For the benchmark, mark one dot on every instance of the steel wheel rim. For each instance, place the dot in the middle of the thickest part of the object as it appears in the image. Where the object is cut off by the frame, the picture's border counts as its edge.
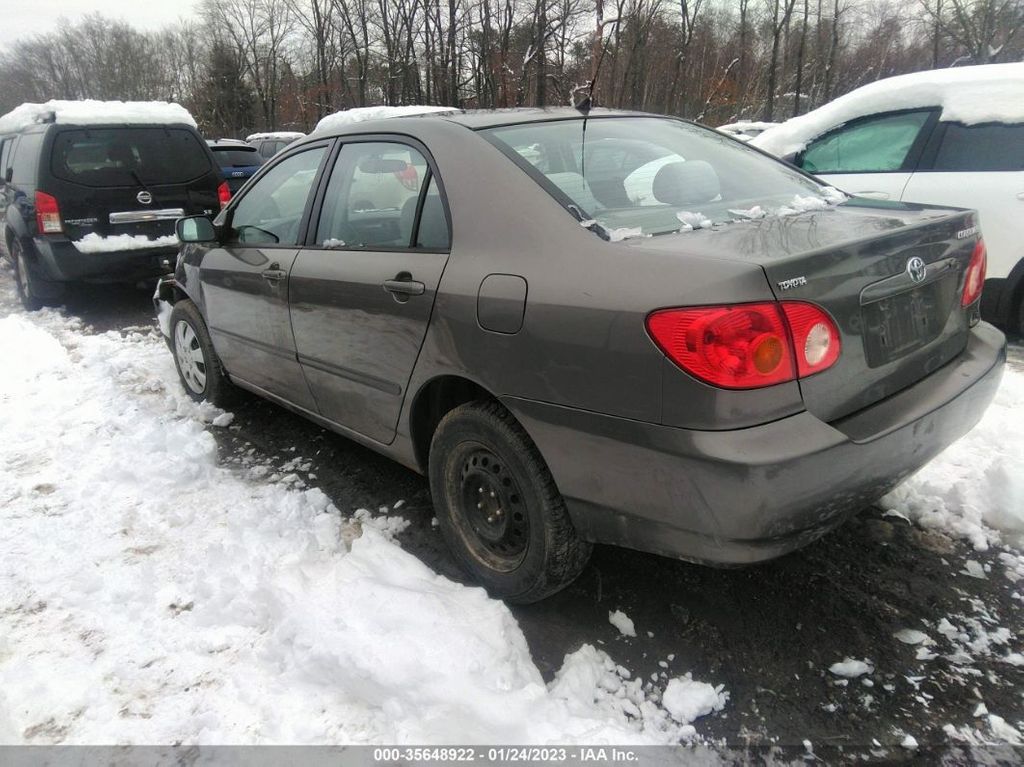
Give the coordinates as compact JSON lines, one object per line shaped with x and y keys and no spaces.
{"x":494,"y":519}
{"x":189,"y":353}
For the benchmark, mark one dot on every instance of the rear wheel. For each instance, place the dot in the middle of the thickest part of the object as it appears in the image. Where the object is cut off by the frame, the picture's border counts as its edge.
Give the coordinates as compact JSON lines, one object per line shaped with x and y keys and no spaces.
{"x":498,"y":507}
{"x":33,"y":292}
{"x":198,"y":366}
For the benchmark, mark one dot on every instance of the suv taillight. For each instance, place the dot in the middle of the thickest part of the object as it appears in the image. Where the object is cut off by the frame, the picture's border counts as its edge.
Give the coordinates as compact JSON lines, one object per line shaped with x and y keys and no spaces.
{"x":974,"y":279}
{"x":224,"y":193}
{"x":47,"y":214}
{"x":747,"y":346}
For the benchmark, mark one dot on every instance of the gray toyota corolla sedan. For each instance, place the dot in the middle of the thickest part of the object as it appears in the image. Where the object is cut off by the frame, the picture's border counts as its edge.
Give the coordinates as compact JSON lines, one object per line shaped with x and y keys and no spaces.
{"x":618,"y":328}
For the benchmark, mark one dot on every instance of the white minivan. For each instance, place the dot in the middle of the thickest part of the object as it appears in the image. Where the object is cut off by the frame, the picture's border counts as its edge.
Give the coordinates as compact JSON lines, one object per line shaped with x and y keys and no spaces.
{"x":947,"y":137}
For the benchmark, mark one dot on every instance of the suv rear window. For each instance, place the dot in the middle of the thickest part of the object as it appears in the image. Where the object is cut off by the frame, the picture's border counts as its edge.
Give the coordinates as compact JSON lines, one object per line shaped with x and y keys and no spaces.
{"x":237,"y":158}
{"x":128,"y":156}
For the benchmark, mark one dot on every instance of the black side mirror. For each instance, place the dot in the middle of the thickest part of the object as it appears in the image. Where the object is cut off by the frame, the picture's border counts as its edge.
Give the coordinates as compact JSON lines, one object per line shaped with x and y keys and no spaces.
{"x":195,"y":229}
{"x":9,"y":175}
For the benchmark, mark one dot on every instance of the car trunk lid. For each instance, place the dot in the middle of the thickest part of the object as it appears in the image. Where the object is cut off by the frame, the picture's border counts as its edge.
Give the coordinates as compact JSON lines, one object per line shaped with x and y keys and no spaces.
{"x":889,"y":274}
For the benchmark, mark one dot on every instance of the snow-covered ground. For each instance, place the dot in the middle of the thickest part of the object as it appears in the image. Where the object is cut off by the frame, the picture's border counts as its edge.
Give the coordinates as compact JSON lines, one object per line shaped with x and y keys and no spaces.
{"x":975,"y":489}
{"x":149,"y":594}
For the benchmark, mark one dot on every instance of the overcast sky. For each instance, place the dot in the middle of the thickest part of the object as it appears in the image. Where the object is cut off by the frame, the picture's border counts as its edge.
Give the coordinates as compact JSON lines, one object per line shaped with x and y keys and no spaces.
{"x":28,"y":17}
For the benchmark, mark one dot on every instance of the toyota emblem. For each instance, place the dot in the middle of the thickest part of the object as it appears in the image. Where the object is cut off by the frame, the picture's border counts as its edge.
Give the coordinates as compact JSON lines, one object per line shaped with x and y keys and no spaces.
{"x":917,"y":269}
{"x":146,"y":198}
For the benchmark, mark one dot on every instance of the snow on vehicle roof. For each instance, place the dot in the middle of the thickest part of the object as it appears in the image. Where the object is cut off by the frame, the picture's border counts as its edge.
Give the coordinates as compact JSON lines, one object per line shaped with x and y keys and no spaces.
{"x":281,"y":134}
{"x":745,"y":125}
{"x":359,"y":114}
{"x":92,"y":112}
{"x":970,"y":95}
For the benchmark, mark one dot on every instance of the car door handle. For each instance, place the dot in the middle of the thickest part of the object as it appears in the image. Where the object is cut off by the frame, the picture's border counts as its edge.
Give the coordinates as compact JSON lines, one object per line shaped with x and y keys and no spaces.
{"x":1020,"y":195}
{"x":274,"y":273}
{"x":408,"y":287}
{"x":874,"y":195}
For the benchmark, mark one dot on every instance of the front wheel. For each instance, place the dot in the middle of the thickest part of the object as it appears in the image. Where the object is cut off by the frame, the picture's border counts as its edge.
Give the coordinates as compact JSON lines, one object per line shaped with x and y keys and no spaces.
{"x":498,"y":507}
{"x":198,"y":366}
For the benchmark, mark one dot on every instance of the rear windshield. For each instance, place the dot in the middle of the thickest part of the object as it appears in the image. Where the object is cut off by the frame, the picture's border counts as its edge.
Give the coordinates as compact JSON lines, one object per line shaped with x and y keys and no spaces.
{"x":649,"y":173}
{"x":236,"y":158}
{"x":128,"y":156}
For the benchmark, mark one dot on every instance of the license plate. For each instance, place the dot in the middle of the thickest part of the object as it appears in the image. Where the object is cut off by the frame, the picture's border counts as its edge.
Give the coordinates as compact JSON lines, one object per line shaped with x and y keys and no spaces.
{"x":897,"y":325}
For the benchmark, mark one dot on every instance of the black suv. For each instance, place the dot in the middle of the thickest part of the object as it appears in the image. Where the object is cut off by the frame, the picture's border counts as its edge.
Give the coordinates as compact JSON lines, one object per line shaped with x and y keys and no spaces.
{"x":98,"y":202}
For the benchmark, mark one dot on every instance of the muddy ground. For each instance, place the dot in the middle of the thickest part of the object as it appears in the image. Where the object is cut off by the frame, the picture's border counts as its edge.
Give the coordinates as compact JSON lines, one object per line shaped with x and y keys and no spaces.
{"x":768,"y":633}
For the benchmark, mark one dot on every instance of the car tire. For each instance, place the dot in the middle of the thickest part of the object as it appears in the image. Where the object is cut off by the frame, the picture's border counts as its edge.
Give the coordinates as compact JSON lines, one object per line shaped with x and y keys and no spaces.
{"x":498,"y":507}
{"x":195,"y":359}
{"x":33,"y":291}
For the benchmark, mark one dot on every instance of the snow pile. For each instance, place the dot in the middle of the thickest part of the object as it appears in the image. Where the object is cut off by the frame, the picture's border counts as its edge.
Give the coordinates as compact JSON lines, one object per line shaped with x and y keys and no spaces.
{"x":590,"y":681}
{"x":975,"y":488}
{"x":851,"y":668}
{"x":347,"y":117}
{"x":92,"y":112}
{"x":95,"y":243}
{"x":624,"y":233}
{"x":746,"y":129}
{"x":971,"y":95}
{"x":622,"y":622}
{"x":830,"y":196}
{"x":284,"y":135}
{"x":150,"y":595}
{"x":687,"y":700}
{"x":690,"y":221}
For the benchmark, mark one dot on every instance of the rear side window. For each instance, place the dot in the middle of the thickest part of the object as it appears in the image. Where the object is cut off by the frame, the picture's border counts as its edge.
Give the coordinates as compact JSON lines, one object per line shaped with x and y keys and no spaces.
{"x":433,"y":227}
{"x":237,"y":158}
{"x":103,"y":157}
{"x":987,"y":147}
{"x":873,"y":145}
{"x":268,"y":148}
{"x":25,"y":162}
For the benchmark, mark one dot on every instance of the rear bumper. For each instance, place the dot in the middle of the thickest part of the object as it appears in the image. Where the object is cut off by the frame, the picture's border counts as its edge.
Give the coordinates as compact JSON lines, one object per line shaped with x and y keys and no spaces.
{"x":736,"y":497}
{"x":61,"y":261}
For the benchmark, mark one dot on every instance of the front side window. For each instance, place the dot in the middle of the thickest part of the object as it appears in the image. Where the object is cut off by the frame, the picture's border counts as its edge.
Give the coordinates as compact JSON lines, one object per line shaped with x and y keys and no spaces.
{"x":102,"y":157}
{"x":875,"y":145}
{"x":643,"y":173}
{"x":372,"y":197}
{"x":271,"y":211}
{"x":986,"y":147}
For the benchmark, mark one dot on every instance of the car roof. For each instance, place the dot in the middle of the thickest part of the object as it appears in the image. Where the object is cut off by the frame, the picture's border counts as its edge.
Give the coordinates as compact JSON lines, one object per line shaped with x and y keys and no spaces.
{"x":231,"y":144}
{"x":475,"y":119}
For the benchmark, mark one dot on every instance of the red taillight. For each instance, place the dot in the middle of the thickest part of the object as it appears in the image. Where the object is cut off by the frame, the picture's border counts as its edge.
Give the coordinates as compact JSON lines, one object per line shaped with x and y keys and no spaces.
{"x":747,"y":346}
{"x":815,"y":337}
{"x":735,"y":347}
{"x":47,"y":214}
{"x":224,"y":193}
{"x":409,"y":177}
{"x":974,"y":279}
